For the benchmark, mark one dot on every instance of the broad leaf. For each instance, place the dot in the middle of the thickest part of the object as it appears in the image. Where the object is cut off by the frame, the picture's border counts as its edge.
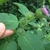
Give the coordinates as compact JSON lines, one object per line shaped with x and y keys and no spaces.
{"x":9,"y":20}
{"x":47,"y":45}
{"x":30,"y":42}
{"x":9,"y":46}
{"x":23,"y":9}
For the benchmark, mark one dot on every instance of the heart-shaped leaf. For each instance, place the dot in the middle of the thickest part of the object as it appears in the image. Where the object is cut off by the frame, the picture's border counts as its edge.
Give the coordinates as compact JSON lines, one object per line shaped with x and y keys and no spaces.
{"x":9,"y":20}
{"x":30,"y":42}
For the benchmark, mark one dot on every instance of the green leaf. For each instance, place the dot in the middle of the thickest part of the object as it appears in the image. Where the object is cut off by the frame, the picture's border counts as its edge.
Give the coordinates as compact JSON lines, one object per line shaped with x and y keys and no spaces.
{"x":30,"y":42}
{"x":3,"y":1}
{"x":9,"y":46}
{"x":2,"y":42}
{"x":47,"y":46}
{"x":34,"y":24}
{"x":23,"y":9}
{"x":9,"y":20}
{"x":49,"y":1}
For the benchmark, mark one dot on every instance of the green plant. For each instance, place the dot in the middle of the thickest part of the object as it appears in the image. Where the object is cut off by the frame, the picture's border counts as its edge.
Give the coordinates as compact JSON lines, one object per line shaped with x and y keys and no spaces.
{"x":31,"y":31}
{"x":3,"y":1}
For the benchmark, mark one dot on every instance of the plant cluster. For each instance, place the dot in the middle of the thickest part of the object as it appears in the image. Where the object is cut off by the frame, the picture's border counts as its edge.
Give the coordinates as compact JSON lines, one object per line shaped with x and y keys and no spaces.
{"x":31,"y":29}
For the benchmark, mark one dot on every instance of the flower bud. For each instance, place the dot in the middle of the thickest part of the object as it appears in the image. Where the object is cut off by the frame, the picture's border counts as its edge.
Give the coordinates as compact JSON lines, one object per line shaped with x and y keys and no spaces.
{"x":39,"y":13}
{"x":20,"y":31}
{"x":23,"y":22}
{"x":30,"y":16}
{"x":45,"y":11}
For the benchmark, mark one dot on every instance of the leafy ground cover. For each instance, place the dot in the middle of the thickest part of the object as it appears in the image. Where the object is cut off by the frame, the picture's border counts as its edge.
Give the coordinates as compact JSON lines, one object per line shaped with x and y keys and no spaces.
{"x":30,"y":21}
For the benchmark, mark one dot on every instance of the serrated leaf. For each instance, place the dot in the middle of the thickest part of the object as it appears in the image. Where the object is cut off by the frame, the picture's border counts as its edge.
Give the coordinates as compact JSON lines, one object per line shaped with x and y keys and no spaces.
{"x":30,"y":42}
{"x":22,"y":8}
{"x":9,"y":20}
{"x":9,"y":46}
